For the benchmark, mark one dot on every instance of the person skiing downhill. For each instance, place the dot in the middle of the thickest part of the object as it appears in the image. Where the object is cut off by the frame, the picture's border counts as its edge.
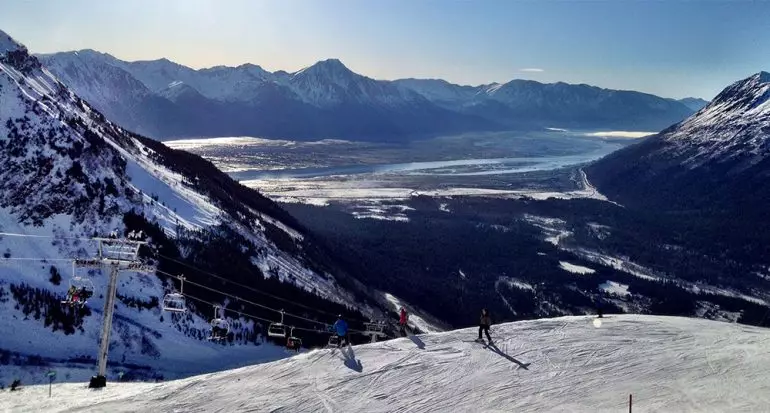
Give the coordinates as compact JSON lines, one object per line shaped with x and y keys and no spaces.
{"x":484,"y":322}
{"x":341,"y":327}
{"x":402,"y":321}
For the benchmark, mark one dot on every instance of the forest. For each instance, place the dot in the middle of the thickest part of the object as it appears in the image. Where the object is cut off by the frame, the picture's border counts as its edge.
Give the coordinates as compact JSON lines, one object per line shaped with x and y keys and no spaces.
{"x":485,"y":254}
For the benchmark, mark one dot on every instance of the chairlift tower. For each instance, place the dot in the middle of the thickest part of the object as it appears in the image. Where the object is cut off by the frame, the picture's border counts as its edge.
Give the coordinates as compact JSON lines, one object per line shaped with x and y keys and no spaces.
{"x":117,"y":255}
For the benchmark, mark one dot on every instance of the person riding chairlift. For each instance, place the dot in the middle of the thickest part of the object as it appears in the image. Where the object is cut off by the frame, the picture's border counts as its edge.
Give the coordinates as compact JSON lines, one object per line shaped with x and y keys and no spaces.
{"x":71,"y":292}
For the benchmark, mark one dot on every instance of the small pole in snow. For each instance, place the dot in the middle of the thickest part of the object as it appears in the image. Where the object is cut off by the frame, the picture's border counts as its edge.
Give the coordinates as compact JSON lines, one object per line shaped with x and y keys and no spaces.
{"x":630,"y":402}
{"x":51,"y":376}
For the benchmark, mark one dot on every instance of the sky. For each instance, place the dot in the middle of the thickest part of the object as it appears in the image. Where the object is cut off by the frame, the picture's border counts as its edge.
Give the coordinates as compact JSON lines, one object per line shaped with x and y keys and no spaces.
{"x":669,"y":48}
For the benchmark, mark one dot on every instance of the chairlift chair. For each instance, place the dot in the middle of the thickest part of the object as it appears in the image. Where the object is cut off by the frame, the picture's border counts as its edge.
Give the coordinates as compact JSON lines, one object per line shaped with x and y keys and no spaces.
{"x":83,"y":289}
{"x":82,"y":283}
{"x":293,"y":343}
{"x":220,"y":327}
{"x":375,"y":327}
{"x":277,"y":329}
{"x":175,"y":302}
{"x":334,"y":340}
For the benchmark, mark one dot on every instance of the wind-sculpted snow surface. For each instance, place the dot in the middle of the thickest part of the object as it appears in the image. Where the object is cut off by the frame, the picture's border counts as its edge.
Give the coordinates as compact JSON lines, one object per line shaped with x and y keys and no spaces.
{"x":563,"y":364}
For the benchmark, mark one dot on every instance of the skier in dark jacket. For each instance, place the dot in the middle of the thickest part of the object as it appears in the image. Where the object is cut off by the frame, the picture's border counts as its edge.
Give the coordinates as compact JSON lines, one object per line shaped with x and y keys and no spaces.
{"x":341,"y":328}
{"x":484,"y":322}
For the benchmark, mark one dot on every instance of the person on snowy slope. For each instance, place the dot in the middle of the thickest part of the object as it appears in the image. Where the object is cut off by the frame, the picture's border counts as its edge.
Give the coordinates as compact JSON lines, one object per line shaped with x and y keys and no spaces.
{"x":341,"y":327}
{"x":484,"y":322}
{"x":402,"y":321}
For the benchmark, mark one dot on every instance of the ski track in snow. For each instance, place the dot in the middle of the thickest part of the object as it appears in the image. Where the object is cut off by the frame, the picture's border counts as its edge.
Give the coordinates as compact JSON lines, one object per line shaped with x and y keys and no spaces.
{"x":669,"y":364}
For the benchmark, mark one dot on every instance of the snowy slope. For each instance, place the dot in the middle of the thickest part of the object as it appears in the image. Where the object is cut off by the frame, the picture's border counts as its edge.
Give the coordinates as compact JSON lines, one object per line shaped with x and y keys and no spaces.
{"x":718,"y":156}
{"x":68,"y":174}
{"x":733,"y":125}
{"x":564,"y":364}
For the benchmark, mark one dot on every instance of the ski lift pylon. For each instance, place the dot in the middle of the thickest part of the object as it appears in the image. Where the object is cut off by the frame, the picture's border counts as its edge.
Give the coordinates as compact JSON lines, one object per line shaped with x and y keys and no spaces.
{"x":277,"y":329}
{"x":175,"y":302}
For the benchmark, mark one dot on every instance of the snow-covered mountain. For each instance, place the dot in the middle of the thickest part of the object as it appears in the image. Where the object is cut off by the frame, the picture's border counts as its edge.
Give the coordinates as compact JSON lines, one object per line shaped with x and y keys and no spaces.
{"x":529,"y":103}
{"x":69,"y":174}
{"x":718,"y":156}
{"x":707,"y":180}
{"x":329,"y":100}
{"x":324,"y":100}
{"x":694,"y":103}
{"x":563,"y":364}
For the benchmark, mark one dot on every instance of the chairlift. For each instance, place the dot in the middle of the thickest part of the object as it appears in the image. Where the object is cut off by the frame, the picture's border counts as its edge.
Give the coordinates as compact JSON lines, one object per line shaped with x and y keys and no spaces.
{"x":375,"y":327}
{"x":175,"y":302}
{"x":219,"y":326}
{"x":293,"y":343}
{"x":334,"y":340}
{"x":80,"y":289}
{"x":82,"y":283}
{"x":277,"y":329}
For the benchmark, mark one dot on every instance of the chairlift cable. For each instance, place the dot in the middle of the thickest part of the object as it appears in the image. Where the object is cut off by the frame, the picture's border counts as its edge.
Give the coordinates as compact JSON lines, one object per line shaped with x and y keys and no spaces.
{"x":245,"y":286}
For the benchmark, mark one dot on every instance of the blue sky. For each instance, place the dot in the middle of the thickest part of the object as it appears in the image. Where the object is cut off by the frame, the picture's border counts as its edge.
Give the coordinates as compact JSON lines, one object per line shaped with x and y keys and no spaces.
{"x":673,"y":49}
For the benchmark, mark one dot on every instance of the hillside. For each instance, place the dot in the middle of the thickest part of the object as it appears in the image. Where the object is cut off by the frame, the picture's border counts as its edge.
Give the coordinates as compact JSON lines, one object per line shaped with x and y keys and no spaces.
{"x":713,"y":167}
{"x":705,"y":181}
{"x":164,"y":100}
{"x":560,"y":364}
{"x":69,"y":174}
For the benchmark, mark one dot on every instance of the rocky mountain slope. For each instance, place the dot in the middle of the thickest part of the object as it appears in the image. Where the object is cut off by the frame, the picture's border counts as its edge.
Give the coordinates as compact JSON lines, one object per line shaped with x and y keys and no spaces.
{"x":69,"y":174}
{"x":718,"y":158}
{"x":707,"y":180}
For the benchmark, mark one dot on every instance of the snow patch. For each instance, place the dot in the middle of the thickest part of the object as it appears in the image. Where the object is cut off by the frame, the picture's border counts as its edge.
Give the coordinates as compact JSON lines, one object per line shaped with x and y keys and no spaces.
{"x":613,"y":287}
{"x":576,"y":269}
{"x":620,"y":134}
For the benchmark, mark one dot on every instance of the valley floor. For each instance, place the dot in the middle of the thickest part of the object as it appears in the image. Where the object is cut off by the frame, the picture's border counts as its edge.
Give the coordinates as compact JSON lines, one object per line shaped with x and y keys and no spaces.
{"x":669,"y":364}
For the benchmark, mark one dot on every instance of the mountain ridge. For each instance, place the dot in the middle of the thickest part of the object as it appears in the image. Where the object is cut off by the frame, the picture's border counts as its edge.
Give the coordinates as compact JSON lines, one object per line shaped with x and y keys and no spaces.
{"x":328,"y":100}
{"x":707,"y":175}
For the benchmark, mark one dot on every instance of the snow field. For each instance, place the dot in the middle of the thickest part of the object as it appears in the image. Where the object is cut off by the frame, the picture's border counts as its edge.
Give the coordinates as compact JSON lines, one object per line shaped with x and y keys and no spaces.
{"x":669,"y":364}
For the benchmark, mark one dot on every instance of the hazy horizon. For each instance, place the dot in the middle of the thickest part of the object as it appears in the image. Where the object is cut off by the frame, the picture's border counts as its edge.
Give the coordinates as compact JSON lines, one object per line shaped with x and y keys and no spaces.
{"x":672,"y":49}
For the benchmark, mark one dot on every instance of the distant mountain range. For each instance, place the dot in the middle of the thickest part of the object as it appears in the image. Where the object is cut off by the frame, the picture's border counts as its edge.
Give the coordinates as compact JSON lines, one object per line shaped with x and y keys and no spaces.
{"x":163,"y":99}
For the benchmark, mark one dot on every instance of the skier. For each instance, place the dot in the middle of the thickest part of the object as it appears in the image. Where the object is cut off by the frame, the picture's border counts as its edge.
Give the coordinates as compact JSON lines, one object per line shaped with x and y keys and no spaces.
{"x":71,"y":294}
{"x":402,"y":321}
{"x":484,"y":322}
{"x":84,"y":295}
{"x":341,"y":327}
{"x":75,"y":298}
{"x":218,"y":333}
{"x":599,"y":308}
